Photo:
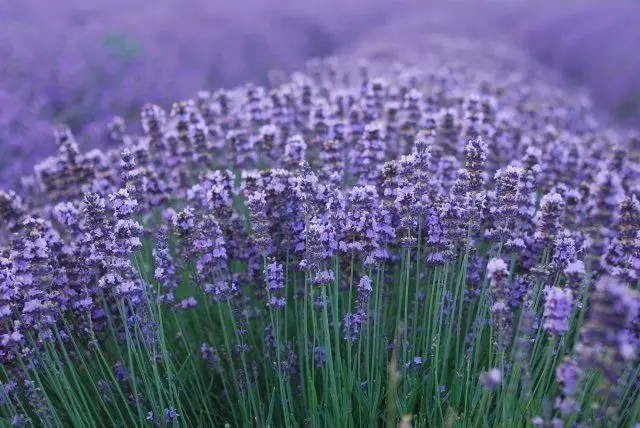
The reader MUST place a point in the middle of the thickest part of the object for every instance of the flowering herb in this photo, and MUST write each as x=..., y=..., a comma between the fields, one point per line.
x=454, y=244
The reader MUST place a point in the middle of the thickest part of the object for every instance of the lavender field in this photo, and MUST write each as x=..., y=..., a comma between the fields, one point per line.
x=319, y=214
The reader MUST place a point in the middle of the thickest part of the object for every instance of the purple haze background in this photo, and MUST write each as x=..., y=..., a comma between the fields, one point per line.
x=85, y=62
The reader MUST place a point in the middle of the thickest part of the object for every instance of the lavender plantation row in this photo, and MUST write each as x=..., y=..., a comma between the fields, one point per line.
x=424, y=246
x=81, y=62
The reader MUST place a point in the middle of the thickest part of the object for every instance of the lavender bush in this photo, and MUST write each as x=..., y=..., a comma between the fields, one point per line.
x=450, y=242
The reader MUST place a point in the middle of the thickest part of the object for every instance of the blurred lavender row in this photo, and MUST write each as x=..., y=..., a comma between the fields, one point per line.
x=84, y=62
x=593, y=43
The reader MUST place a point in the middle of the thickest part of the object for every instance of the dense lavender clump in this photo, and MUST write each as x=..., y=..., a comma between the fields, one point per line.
x=458, y=242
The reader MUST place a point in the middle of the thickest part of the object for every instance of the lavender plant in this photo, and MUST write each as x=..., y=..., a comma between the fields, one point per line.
x=455, y=245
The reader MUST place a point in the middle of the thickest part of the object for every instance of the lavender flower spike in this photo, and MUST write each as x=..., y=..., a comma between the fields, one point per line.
x=476, y=153
x=557, y=309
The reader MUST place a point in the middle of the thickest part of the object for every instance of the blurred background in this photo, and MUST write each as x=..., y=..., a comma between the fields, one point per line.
x=84, y=61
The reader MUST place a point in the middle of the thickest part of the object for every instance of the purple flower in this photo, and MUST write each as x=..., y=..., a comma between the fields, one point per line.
x=171, y=415
x=558, y=305
x=369, y=154
x=353, y=321
x=210, y=355
x=184, y=225
x=476, y=154
x=274, y=275
x=604, y=343
x=575, y=272
x=96, y=227
x=491, y=379
x=564, y=252
x=260, y=224
x=332, y=160
x=320, y=356
x=548, y=218
x=498, y=273
x=448, y=131
x=622, y=257
x=153, y=123
x=11, y=209
x=219, y=192
x=208, y=241
x=221, y=290
x=309, y=191
x=188, y=303
x=517, y=290
x=351, y=326
x=361, y=235
x=417, y=171
x=322, y=243
x=68, y=214
x=294, y=152
x=310, y=184
x=165, y=270
x=605, y=194
x=124, y=205
x=129, y=171
x=126, y=234
x=568, y=373
x=507, y=188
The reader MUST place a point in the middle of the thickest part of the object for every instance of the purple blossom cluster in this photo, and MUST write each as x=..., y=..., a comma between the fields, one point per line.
x=558, y=305
x=354, y=320
x=322, y=191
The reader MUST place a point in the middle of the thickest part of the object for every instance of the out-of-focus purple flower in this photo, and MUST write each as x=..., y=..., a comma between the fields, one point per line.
x=548, y=218
x=491, y=379
x=11, y=209
x=558, y=304
x=210, y=355
x=575, y=272
x=498, y=273
x=369, y=154
x=568, y=373
x=294, y=152
x=221, y=290
x=332, y=160
x=604, y=343
x=188, y=302
x=171, y=415
x=320, y=356
x=68, y=214
x=622, y=257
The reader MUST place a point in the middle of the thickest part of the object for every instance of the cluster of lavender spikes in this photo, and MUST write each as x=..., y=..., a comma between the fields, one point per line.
x=324, y=187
